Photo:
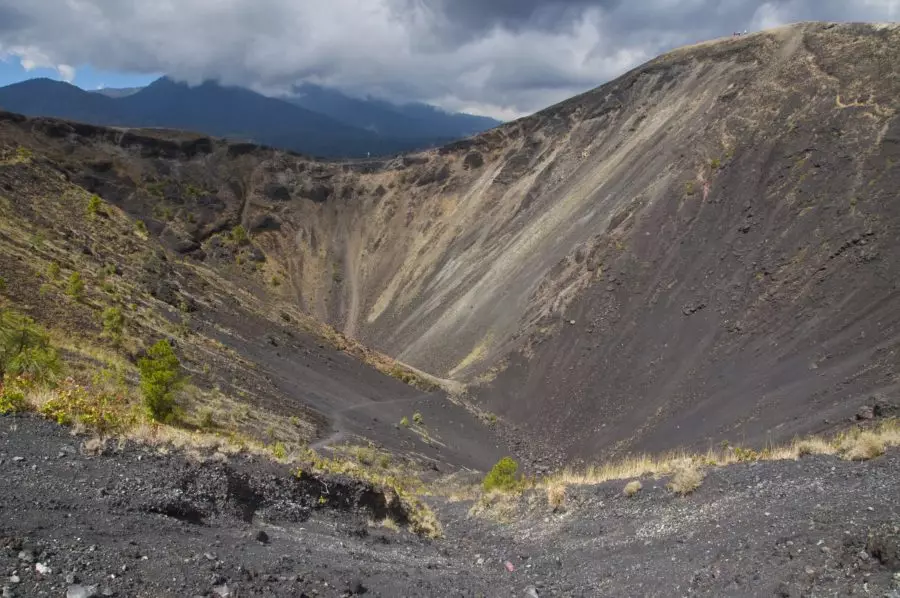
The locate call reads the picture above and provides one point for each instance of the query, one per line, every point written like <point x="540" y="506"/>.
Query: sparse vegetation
<point x="160" y="379"/>
<point x="95" y="409"/>
<point x="404" y="421"/>
<point x="141" y="227"/>
<point x="632" y="488"/>
<point x="503" y="476"/>
<point x="417" y="418"/>
<point x="715" y="164"/>
<point x="75" y="286"/>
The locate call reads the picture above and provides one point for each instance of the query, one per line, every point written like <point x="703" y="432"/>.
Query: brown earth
<point x="701" y="250"/>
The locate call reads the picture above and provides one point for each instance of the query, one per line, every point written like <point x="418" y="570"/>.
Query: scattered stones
<point x="222" y="591"/>
<point x="43" y="569"/>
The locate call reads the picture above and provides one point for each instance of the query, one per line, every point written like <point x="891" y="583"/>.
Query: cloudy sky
<point x="498" y="57"/>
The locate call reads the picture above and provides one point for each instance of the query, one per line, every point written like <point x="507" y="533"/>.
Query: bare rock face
<point x="720" y="223"/>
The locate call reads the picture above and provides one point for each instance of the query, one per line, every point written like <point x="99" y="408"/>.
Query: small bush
<point x="417" y="417"/>
<point x="744" y="455"/>
<point x="715" y="164"/>
<point x="141" y="227"/>
<point x="94" y="207"/>
<point x="686" y="479"/>
<point x="53" y="271"/>
<point x="75" y="287"/>
<point x="113" y="323"/>
<point x="12" y="397"/>
<point x="239" y="235"/>
<point x="2" y="284"/>
<point x="632" y="488"/>
<point x="206" y="419"/>
<point x="404" y="421"/>
<point x="160" y="380"/>
<point x="502" y="476"/>
<point x="23" y="154"/>
<point x="279" y="451"/>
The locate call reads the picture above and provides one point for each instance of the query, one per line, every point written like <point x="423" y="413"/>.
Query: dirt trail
<point x="339" y="421"/>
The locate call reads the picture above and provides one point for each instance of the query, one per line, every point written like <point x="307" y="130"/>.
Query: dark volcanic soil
<point x="137" y="523"/>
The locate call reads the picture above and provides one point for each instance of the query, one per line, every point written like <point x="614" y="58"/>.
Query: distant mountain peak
<point x="322" y="122"/>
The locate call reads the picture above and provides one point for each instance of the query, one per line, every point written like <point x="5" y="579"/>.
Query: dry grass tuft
<point x="867" y="445"/>
<point x="94" y="446"/>
<point x="632" y="488"/>
<point x="386" y="523"/>
<point x="497" y="505"/>
<point x="686" y="479"/>
<point x="814" y="446"/>
<point x="556" y="495"/>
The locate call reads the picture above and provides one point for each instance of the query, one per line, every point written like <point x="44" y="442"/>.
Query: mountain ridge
<point x="223" y="111"/>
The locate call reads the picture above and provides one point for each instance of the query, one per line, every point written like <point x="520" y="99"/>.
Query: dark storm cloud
<point x="502" y="57"/>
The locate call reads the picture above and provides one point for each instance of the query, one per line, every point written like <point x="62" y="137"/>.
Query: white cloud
<point x="500" y="58"/>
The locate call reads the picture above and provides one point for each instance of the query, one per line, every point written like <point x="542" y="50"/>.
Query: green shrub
<point x="53" y="271"/>
<point x="75" y="288"/>
<point x="141" y="227"/>
<point x="239" y="235"/>
<point x="404" y="422"/>
<point x="206" y="419"/>
<point x="2" y="284"/>
<point x="417" y="417"/>
<point x="25" y="349"/>
<point x="279" y="451"/>
<point x="502" y="476"/>
<point x="94" y="207"/>
<point x="160" y="380"/>
<point x="12" y="397"/>
<point x="113" y="323"/>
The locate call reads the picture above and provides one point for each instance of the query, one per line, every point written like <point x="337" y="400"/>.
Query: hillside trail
<point x="340" y="423"/>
